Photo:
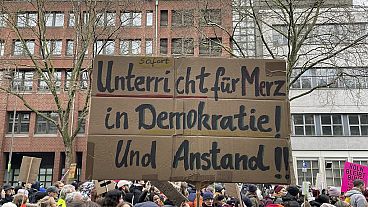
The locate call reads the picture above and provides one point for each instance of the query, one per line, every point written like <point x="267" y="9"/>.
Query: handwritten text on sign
<point x="353" y="171"/>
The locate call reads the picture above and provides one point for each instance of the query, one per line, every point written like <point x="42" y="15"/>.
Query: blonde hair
<point x="47" y="201"/>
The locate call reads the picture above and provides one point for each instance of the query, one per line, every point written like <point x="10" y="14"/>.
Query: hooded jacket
<point x="356" y="198"/>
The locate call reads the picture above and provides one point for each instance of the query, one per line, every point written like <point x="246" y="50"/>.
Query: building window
<point x="304" y="81"/>
<point x="358" y="124"/>
<point x="85" y="18"/>
<point x="26" y="19"/>
<point x="149" y="47"/>
<point x="82" y="128"/>
<point x="331" y="124"/>
<point x="278" y="35"/>
<point x="20" y="48"/>
<point x="164" y="17"/>
<point x="149" y="18"/>
<point x="106" y="19"/>
<point x="130" y="47"/>
<point x="180" y="46"/>
<point x="55" y="80"/>
<point x="312" y="170"/>
<point x="334" y="172"/>
<point x="44" y="126"/>
<point x="53" y="47"/>
<point x="3" y="19"/>
<point x="23" y="81"/>
<point x="2" y="47"/>
<point x="163" y="46"/>
<point x="361" y="162"/>
<point x="45" y="176"/>
<point x="304" y="124"/>
<point x="69" y="48"/>
<point x="210" y="16"/>
<point x="84" y="77"/>
<point x="104" y="47"/>
<point x="181" y="18"/>
<point x="54" y="19"/>
<point x="21" y="125"/>
<point x="71" y="20"/>
<point x="210" y="47"/>
<point x="133" y="19"/>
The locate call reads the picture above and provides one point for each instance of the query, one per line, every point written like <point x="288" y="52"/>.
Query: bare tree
<point x="321" y="39"/>
<point x="92" y="25"/>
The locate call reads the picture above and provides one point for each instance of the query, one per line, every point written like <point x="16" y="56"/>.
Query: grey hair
<point x="66" y="190"/>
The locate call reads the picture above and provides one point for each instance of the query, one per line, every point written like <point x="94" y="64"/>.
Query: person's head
<point x="220" y="199"/>
<point x="293" y="190"/>
<point x="252" y="188"/>
<point x="8" y="189"/>
<point x="124" y="185"/>
<point x="59" y="185"/>
<point x="112" y="198"/>
<point x="20" y="199"/>
<point x="52" y="191"/>
<point x="73" y="197"/>
<point x="124" y="204"/>
<point x="9" y="204"/>
<point x="358" y="183"/>
<point x="208" y="198"/>
<point x="66" y="190"/>
<point x="280" y="190"/>
<point x="323" y="199"/>
<point x="156" y="198"/>
<point x="47" y="201"/>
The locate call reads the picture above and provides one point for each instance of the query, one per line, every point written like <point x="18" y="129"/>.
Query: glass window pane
<point x="364" y="130"/>
<point x="309" y="130"/>
<point x="364" y="119"/>
<point x="136" y="47"/>
<point x="149" y="47"/>
<point x="325" y="119"/>
<point x="354" y="130"/>
<point x="298" y="119"/>
<point x="337" y="130"/>
<point x="49" y="19"/>
<point x="336" y="119"/>
<point x="124" y="47"/>
<point x="299" y="130"/>
<point x="149" y="18"/>
<point x="326" y="130"/>
<point x="71" y="20"/>
<point x="309" y="119"/>
<point x="59" y="19"/>
<point x="110" y="19"/>
<point x="125" y="19"/>
<point x="137" y="19"/>
<point x="353" y="119"/>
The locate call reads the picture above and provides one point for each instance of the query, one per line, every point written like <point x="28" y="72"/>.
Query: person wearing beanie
<point x="207" y="199"/>
<point x="334" y="194"/>
<point x="355" y="196"/>
<point x="291" y="197"/>
<point x="252" y="195"/>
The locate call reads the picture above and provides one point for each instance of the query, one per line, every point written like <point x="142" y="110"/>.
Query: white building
<point x="329" y="125"/>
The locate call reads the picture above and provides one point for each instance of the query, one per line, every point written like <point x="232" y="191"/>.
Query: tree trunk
<point x="69" y="158"/>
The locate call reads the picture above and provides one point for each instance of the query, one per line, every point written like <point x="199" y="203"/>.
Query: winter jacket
<point x="357" y="199"/>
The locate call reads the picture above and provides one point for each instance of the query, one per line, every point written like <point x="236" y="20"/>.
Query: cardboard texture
<point x="132" y="76"/>
<point x="232" y="190"/>
<point x="29" y="169"/>
<point x="245" y="118"/>
<point x="170" y="191"/>
<point x="237" y="78"/>
<point x="189" y="119"/>
<point x="220" y="159"/>
<point x="189" y="77"/>
<point x="104" y="186"/>
<point x="72" y="170"/>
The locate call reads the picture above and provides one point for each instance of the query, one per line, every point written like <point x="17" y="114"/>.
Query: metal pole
<point x="13" y="130"/>
<point x="156" y="28"/>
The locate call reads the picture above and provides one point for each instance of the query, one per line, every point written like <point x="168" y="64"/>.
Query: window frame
<point x="49" y="124"/>
<point x="19" y="121"/>
<point x="104" y="47"/>
<point x="304" y="125"/>
<point x="23" y="51"/>
<point x="359" y="125"/>
<point x="183" y="43"/>
<point x="54" y="15"/>
<point x="45" y="87"/>
<point x="27" y="22"/>
<point x="332" y="125"/>
<point x="130" y="21"/>
<point x="20" y="76"/>
<point x="209" y="45"/>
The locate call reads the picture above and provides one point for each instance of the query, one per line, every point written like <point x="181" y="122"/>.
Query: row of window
<point x="23" y="80"/>
<point x="330" y="124"/>
<point x="354" y="78"/>
<point x="334" y="170"/>
<point x="179" y="46"/>
<point x="127" y="18"/>
<point x="42" y="126"/>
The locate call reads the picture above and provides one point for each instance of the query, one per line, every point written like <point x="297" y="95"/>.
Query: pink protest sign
<point x="353" y="171"/>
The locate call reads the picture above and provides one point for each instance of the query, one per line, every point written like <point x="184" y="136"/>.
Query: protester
<point x="63" y="193"/>
<point x="53" y="191"/>
<point x="20" y="200"/>
<point x="47" y="201"/>
<point x="355" y="196"/>
<point x="7" y="194"/>
<point x="207" y="199"/>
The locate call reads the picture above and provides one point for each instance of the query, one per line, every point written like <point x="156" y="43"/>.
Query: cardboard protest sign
<point x="159" y="118"/>
<point x="170" y="191"/>
<point x="220" y="159"/>
<point x="353" y="171"/>
<point x="29" y="169"/>
<point x="148" y="116"/>
<point x="104" y="186"/>
<point x="232" y="190"/>
<point x="72" y="170"/>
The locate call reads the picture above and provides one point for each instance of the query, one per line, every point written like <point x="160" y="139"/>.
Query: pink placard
<point x="353" y="171"/>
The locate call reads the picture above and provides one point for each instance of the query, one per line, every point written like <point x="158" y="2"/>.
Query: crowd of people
<point x="142" y="194"/>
